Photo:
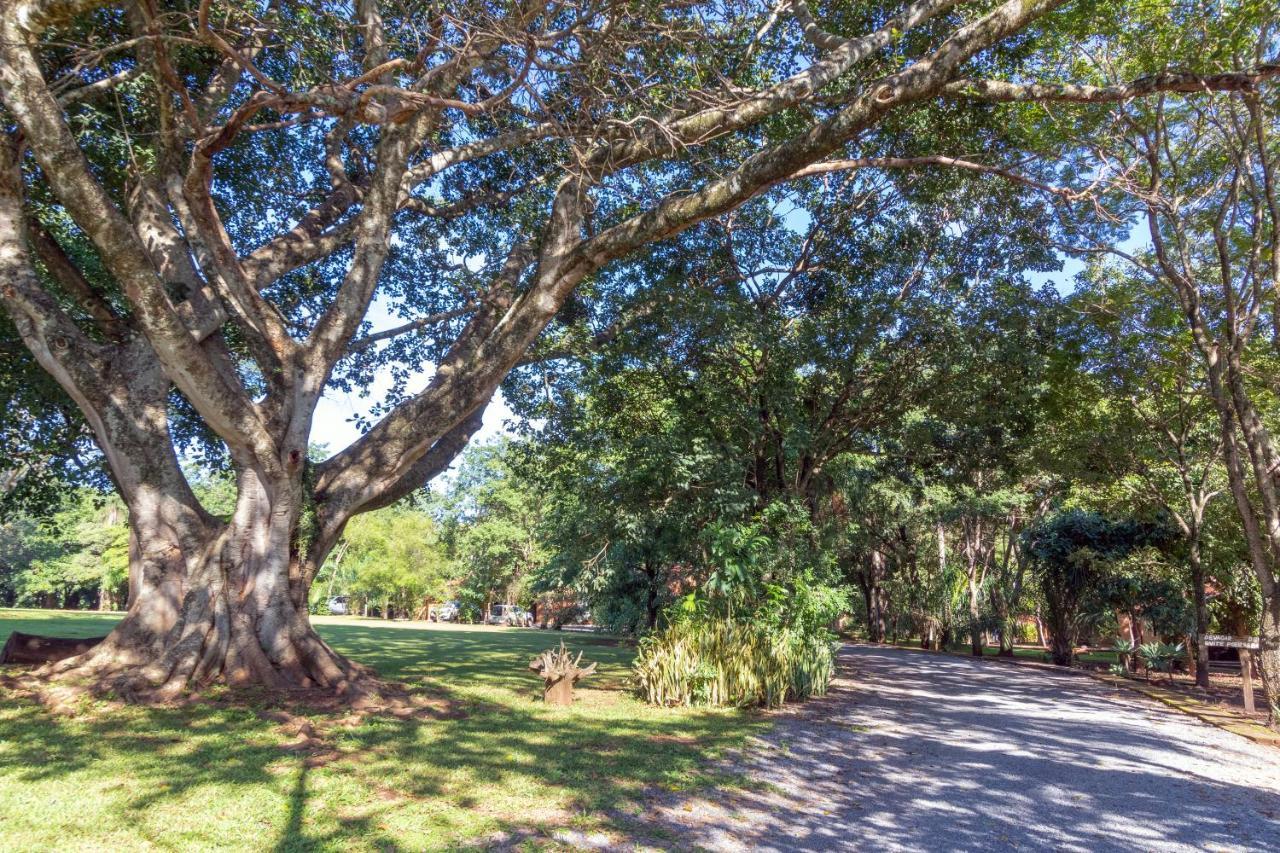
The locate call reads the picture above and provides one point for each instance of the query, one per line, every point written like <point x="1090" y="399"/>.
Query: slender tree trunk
<point x="1261" y="545"/>
<point x="651" y="596"/>
<point x="1268" y="656"/>
<point x="1201" y="649"/>
<point x="976" y="640"/>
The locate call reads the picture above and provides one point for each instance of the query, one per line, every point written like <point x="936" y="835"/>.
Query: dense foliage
<point x="76" y="556"/>
<point x="732" y="662"/>
<point x="1072" y="552"/>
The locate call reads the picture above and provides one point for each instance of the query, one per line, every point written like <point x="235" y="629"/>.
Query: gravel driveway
<point x="914" y="751"/>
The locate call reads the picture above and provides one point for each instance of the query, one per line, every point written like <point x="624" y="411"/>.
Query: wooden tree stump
<point x="31" y="648"/>
<point x="560" y="670"/>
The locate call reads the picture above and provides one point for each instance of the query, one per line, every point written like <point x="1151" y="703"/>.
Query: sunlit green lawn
<point x="217" y="775"/>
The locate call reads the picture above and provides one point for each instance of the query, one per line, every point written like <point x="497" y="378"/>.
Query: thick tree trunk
<point x="1062" y="648"/>
<point x="870" y="598"/>
<point x="1062" y="632"/>
<point x="1268" y="656"/>
<point x="229" y="607"/>
<point x="238" y="622"/>
<point x="873" y="594"/>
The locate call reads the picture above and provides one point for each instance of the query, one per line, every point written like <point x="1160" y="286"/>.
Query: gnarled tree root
<point x="64" y="690"/>
<point x="299" y="668"/>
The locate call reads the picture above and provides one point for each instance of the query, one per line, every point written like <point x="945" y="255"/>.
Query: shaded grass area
<point x="224" y="775"/>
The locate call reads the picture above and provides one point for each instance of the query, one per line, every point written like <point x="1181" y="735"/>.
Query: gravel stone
<point x="915" y="751"/>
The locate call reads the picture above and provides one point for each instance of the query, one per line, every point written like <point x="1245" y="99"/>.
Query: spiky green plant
<point x="1160" y="657"/>
<point x="732" y="662"/>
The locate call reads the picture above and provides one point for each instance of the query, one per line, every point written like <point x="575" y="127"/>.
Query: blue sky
<point x="333" y="425"/>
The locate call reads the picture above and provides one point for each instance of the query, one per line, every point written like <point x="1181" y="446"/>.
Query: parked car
<point x="509" y="614"/>
<point x="338" y="605"/>
<point x="446" y="612"/>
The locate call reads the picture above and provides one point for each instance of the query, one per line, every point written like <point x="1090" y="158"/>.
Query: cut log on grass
<point x="31" y="648"/>
<point x="560" y="670"/>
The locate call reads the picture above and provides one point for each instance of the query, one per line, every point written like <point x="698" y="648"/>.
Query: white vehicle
<point x="447" y="612"/>
<point x="509" y="614"/>
<point x="337" y="605"/>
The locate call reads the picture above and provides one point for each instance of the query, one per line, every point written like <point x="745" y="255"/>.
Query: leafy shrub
<point x="1124" y="653"/>
<point x="756" y="629"/>
<point x="1160" y="601"/>
<point x="1071" y="553"/>
<point x="1159" y="657"/>
<point x="1025" y="633"/>
<point x="734" y="662"/>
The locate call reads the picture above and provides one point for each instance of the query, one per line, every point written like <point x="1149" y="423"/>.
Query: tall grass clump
<point x="724" y="661"/>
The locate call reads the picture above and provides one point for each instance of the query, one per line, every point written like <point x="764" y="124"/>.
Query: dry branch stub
<point x="560" y="670"/>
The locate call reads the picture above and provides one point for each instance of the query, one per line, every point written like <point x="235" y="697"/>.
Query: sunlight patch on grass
<point x="217" y="775"/>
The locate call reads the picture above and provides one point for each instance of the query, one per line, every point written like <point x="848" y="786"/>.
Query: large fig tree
<point x="200" y="203"/>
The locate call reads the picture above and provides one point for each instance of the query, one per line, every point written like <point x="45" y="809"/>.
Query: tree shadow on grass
<point x="387" y="782"/>
<point x="916" y="752"/>
<point x="239" y="779"/>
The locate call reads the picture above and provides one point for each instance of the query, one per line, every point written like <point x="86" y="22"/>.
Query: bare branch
<point x="362" y="344"/>
<point x="829" y="166"/>
<point x="997" y="90"/>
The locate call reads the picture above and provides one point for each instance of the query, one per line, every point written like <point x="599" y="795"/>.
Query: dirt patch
<point x="1225" y="691"/>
